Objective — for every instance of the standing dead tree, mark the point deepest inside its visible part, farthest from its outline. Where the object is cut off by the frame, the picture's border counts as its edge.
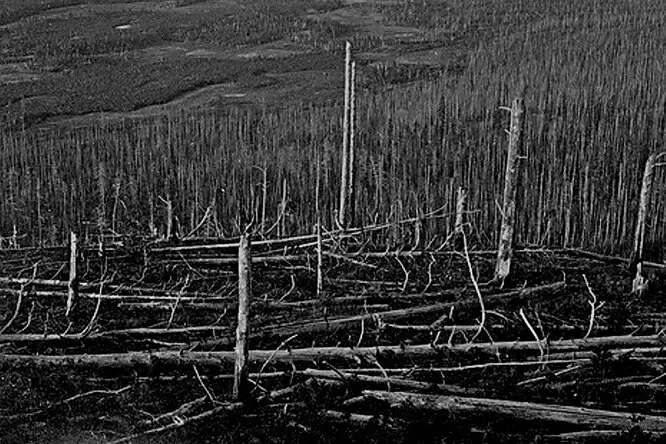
(347, 173)
(460, 211)
(505, 249)
(320, 257)
(73, 284)
(240, 389)
(351, 191)
(640, 282)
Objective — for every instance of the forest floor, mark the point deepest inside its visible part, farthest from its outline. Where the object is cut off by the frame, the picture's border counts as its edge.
(148, 350)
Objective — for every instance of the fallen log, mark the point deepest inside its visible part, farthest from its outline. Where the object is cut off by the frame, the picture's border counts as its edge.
(147, 291)
(128, 332)
(331, 324)
(234, 260)
(549, 329)
(601, 436)
(636, 407)
(63, 294)
(346, 418)
(471, 408)
(392, 315)
(604, 258)
(386, 354)
(45, 282)
(230, 259)
(392, 383)
(637, 353)
(465, 369)
(375, 423)
(523, 292)
(232, 305)
(231, 246)
(447, 328)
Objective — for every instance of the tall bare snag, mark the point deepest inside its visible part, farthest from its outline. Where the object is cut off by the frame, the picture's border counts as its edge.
(73, 284)
(639, 282)
(505, 249)
(344, 178)
(240, 390)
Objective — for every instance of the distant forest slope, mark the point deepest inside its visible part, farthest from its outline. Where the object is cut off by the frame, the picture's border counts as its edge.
(194, 102)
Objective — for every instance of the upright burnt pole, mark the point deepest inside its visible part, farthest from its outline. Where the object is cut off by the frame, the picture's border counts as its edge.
(344, 175)
(240, 390)
(73, 283)
(639, 282)
(505, 249)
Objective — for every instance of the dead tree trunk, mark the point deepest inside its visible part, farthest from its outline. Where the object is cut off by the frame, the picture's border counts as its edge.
(344, 180)
(282, 216)
(240, 390)
(505, 249)
(352, 145)
(73, 284)
(223, 360)
(640, 282)
(599, 437)
(460, 211)
(320, 255)
(170, 228)
(483, 408)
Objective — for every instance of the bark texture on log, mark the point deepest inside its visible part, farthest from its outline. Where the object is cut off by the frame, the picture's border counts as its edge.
(225, 359)
(600, 437)
(515, 410)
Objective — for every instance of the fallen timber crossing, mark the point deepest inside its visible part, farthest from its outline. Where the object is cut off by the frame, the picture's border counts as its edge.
(224, 360)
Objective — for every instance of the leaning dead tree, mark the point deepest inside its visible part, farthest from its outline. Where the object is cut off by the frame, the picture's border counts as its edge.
(505, 249)
(640, 282)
